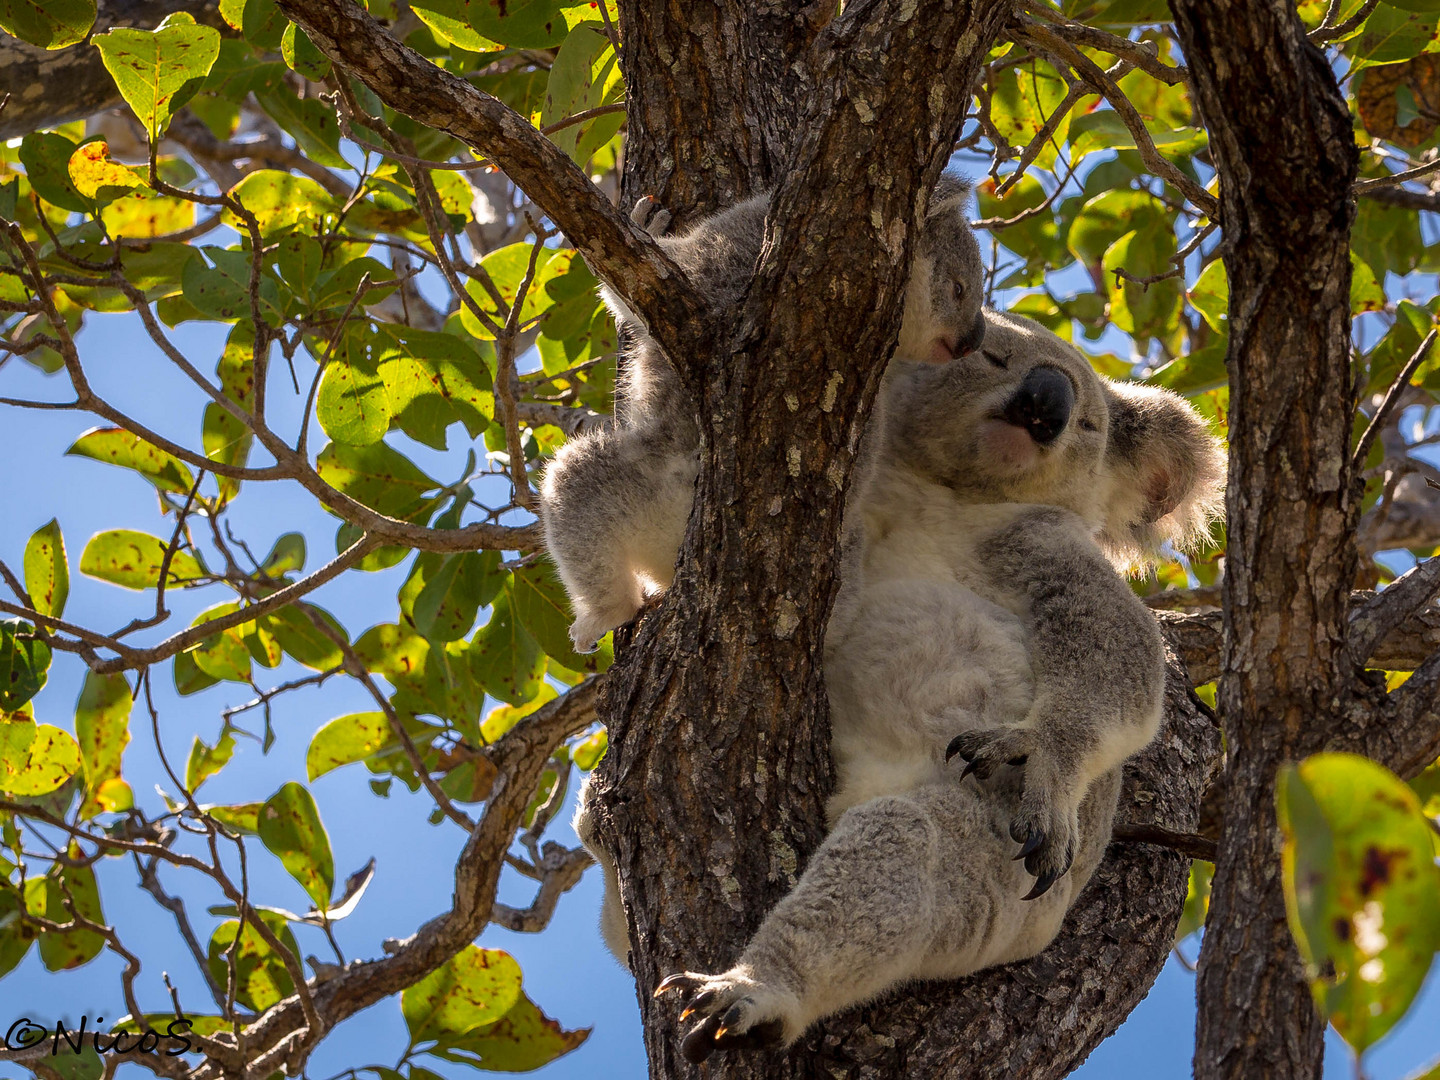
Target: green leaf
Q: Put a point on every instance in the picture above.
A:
(474, 988)
(116, 446)
(302, 639)
(158, 71)
(449, 21)
(1210, 296)
(309, 122)
(345, 740)
(507, 267)
(504, 658)
(205, 760)
(281, 202)
(446, 606)
(24, 660)
(521, 1040)
(47, 573)
(223, 292)
(61, 952)
(224, 655)
(51, 24)
(102, 727)
(290, 827)
(1142, 310)
(301, 55)
(46, 157)
(1197, 900)
(132, 559)
(1022, 99)
(521, 24)
(394, 651)
(378, 476)
(15, 936)
(586, 753)
(1361, 890)
(286, 554)
(243, 818)
(1392, 34)
(260, 976)
(585, 75)
(431, 381)
(189, 679)
(543, 607)
(353, 405)
(1366, 293)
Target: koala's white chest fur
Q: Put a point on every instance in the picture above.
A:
(920, 652)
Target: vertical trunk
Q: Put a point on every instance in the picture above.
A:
(1280, 134)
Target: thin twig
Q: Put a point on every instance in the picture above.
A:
(1387, 406)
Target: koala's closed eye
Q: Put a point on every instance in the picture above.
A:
(996, 359)
(1087, 425)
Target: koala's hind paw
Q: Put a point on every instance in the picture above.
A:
(641, 216)
(1048, 825)
(736, 1013)
(592, 623)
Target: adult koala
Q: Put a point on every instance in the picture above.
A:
(986, 621)
(614, 503)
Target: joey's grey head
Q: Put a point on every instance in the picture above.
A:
(1025, 418)
(943, 301)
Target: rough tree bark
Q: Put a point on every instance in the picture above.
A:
(1286, 161)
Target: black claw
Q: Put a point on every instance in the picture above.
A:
(701, 1002)
(972, 765)
(1042, 885)
(674, 982)
(957, 747)
(1033, 840)
(766, 1036)
(731, 1016)
(699, 1043)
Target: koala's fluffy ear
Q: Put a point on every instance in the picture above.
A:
(950, 194)
(1166, 472)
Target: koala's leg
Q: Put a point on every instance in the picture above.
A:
(614, 506)
(612, 916)
(913, 886)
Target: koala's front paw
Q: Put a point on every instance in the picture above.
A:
(737, 1013)
(641, 215)
(1047, 827)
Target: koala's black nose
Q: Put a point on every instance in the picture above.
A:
(1042, 404)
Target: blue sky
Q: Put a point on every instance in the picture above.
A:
(567, 971)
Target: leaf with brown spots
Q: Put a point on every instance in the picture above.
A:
(158, 71)
(47, 574)
(475, 987)
(1361, 889)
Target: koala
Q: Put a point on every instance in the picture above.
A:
(614, 503)
(987, 624)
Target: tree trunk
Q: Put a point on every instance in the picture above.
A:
(1281, 138)
(712, 792)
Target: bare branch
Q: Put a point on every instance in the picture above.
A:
(1387, 406)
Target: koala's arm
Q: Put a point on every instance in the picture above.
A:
(1099, 670)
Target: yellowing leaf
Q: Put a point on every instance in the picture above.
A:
(97, 176)
(474, 988)
(132, 560)
(1361, 890)
(47, 575)
(116, 446)
(50, 759)
(102, 723)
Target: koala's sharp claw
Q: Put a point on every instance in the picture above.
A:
(955, 745)
(699, 1043)
(679, 980)
(1032, 841)
(1042, 885)
(731, 1016)
(970, 767)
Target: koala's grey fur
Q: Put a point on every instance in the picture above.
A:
(614, 503)
(986, 614)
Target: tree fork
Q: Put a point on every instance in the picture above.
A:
(1282, 142)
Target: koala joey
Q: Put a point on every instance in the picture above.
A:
(614, 503)
(987, 623)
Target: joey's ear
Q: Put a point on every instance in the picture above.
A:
(950, 194)
(1166, 473)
